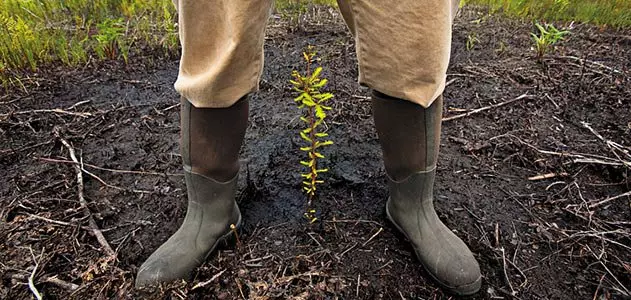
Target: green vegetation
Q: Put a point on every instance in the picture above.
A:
(313, 102)
(37, 32)
(300, 6)
(615, 13)
(40, 32)
(547, 38)
(472, 40)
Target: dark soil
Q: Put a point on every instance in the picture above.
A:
(534, 238)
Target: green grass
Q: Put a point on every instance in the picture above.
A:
(614, 13)
(36, 33)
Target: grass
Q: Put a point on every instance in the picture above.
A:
(614, 13)
(36, 33)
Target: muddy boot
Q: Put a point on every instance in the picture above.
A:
(410, 136)
(211, 139)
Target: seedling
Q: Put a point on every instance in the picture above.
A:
(472, 40)
(312, 102)
(547, 38)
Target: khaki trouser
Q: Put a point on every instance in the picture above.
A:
(402, 47)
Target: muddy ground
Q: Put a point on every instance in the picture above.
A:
(563, 237)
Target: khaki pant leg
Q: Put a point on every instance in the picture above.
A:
(403, 47)
(222, 49)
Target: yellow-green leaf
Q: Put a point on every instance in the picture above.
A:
(305, 137)
(316, 73)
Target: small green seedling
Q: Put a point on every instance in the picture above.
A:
(547, 38)
(313, 103)
(472, 40)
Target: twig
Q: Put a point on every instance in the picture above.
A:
(113, 186)
(600, 283)
(583, 61)
(599, 203)
(64, 284)
(626, 291)
(372, 237)
(52, 280)
(513, 293)
(481, 109)
(358, 282)
(84, 204)
(31, 284)
(54, 110)
(48, 159)
(548, 176)
(348, 249)
(205, 283)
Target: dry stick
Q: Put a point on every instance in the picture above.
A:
(600, 283)
(481, 109)
(47, 159)
(31, 284)
(55, 110)
(583, 61)
(205, 283)
(610, 144)
(506, 273)
(52, 280)
(626, 291)
(84, 204)
(599, 203)
(372, 237)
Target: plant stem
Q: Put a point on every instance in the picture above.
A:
(312, 154)
(311, 116)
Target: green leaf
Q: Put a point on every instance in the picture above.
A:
(322, 170)
(320, 112)
(318, 155)
(320, 84)
(308, 101)
(319, 181)
(305, 148)
(305, 120)
(326, 96)
(321, 134)
(307, 130)
(322, 144)
(316, 73)
(308, 176)
(307, 183)
(305, 137)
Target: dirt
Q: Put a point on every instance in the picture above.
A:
(535, 238)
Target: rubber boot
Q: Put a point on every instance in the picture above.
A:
(211, 139)
(410, 137)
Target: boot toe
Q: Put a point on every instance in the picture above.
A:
(461, 277)
(158, 270)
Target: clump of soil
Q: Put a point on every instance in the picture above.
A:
(538, 187)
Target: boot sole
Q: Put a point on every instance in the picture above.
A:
(463, 290)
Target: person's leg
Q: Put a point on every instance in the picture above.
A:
(403, 51)
(221, 63)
